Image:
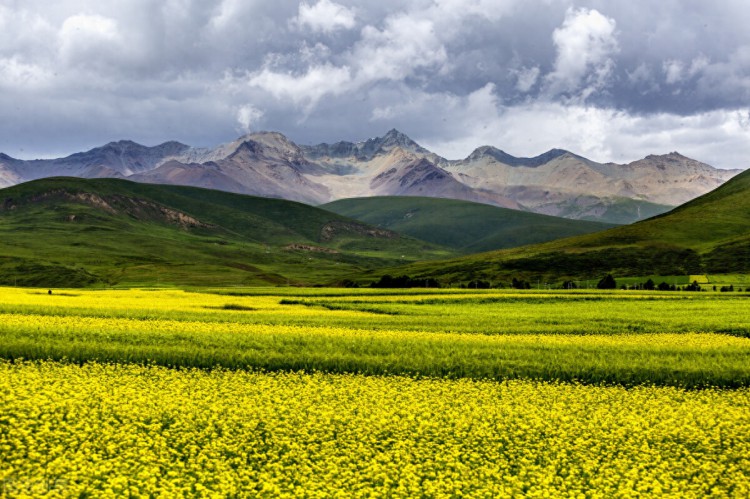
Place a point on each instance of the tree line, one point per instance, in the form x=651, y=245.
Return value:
x=606, y=282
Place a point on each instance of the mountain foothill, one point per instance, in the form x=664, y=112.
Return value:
x=268, y=164
x=263, y=210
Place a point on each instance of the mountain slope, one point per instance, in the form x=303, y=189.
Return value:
x=465, y=226
x=564, y=184
x=67, y=231
x=262, y=164
x=116, y=159
x=710, y=234
x=268, y=164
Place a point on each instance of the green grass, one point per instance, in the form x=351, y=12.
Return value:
x=625, y=211
x=51, y=236
x=624, y=338
x=709, y=235
x=462, y=225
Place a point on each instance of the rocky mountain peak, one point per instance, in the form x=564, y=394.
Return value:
x=394, y=138
x=673, y=156
x=274, y=140
x=510, y=160
x=266, y=163
x=365, y=150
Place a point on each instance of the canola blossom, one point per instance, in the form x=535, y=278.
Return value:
x=108, y=430
x=373, y=393
x=497, y=335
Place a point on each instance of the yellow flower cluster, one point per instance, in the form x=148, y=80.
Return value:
x=103, y=430
x=139, y=301
x=154, y=328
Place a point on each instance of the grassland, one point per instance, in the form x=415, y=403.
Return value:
x=709, y=235
x=461, y=225
x=287, y=392
x=104, y=232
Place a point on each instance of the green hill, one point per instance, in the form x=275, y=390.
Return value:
x=710, y=234
x=77, y=232
x=462, y=225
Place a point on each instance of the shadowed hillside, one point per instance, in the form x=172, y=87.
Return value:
x=465, y=226
x=710, y=234
x=76, y=232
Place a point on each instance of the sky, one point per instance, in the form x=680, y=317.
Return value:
x=612, y=80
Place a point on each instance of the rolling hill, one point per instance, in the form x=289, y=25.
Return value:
x=78, y=232
x=268, y=164
x=710, y=234
x=461, y=225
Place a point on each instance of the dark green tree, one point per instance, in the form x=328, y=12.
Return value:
x=663, y=286
x=569, y=285
x=608, y=282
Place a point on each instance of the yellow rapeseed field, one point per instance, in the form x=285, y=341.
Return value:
x=280, y=406
x=101, y=430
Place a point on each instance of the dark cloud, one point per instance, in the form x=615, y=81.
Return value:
x=613, y=80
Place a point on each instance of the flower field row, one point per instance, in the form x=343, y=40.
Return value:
x=687, y=359
x=475, y=311
x=110, y=430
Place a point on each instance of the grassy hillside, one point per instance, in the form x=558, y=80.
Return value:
x=462, y=225
x=710, y=234
x=622, y=211
x=77, y=232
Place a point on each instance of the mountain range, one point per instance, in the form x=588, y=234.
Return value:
x=708, y=235
x=92, y=232
x=268, y=164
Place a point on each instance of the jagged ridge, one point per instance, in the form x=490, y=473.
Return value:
x=268, y=164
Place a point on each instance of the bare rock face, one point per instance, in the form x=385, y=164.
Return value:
x=268, y=164
x=564, y=184
x=264, y=164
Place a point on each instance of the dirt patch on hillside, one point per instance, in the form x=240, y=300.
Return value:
x=332, y=230
x=310, y=247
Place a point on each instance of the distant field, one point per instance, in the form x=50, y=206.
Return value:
x=629, y=338
x=293, y=392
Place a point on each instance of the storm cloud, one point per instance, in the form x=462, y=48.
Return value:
x=613, y=81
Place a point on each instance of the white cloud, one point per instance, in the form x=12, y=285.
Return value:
x=82, y=72
x=526, y=78
x=25, y=34
x=698, y=65
x=641, y=74
x=490, y=9
x=16, y=74
x=404, y=45
x=481, y=105
x=676, y=71
x=325, y=17
x=715, y=137
x=248, y=117
x=87, y=40
x=673, y=71
x=228, y=12
x=305, y=89
x=585, y=44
